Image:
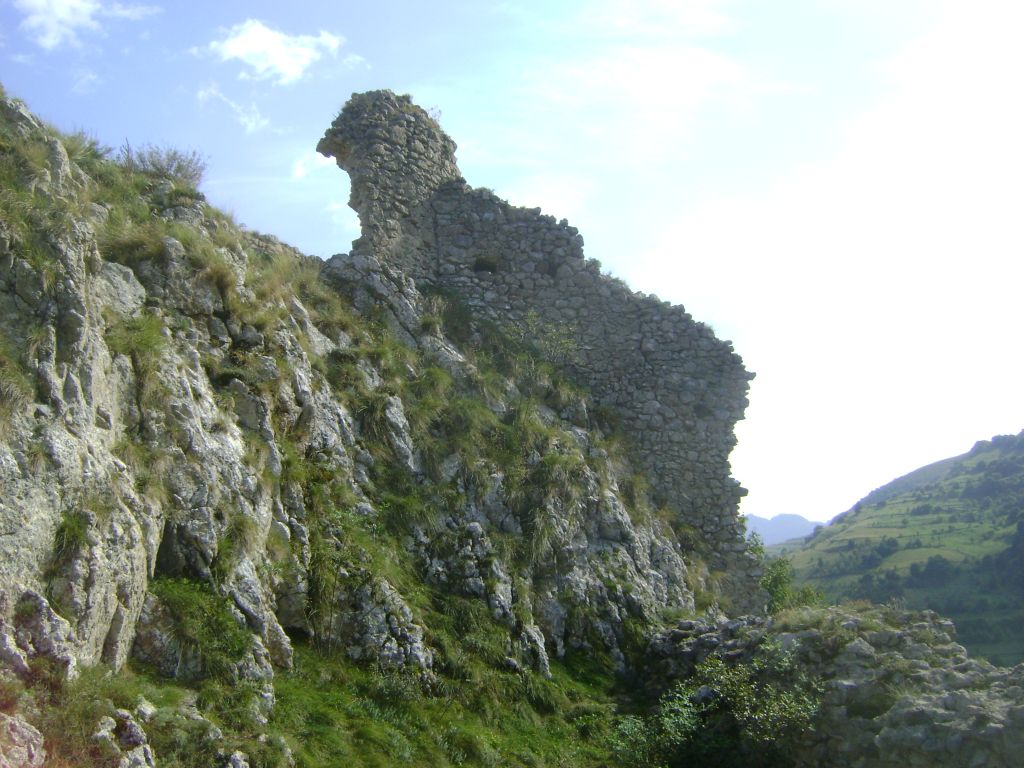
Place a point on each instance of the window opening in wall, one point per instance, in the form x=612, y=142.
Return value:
x=486, y=264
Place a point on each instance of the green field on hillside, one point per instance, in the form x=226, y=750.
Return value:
x=949, y=536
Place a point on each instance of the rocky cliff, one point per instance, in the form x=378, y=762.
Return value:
x=420, y=503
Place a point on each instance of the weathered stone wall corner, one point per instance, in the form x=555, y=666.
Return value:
x=678, y=388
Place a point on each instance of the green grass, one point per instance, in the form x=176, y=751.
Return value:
x=130, y=242
x=16, y=386
x=337, y=712
x=938, y=538
x=71, y=536
x=69, y=714
x=141, y=338
x=332, y=711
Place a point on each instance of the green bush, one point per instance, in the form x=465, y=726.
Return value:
x=555, y=343
x=777, y=581
x=724, y=715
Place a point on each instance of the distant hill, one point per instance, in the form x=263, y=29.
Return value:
x=780, y=528
x=948, y=536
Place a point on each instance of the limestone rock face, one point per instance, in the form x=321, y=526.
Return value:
x=595, y=568
x=38, y=633
x=122, y=738
x=372, y=622
x=21, y=745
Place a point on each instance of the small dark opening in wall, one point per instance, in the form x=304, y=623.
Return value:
x=485, y=264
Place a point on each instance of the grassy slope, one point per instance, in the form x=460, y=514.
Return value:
x=477, y=711
x=964, y=510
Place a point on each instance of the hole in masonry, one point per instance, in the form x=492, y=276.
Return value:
x=485, y=264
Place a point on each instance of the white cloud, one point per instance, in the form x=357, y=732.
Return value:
x=53, y=23
x=344, y=217
x=355, y=61
x=130, y=12
x=84, y=81
x=628, y=96
x=309, y=162
x=562, y=195
x=249, y=117
x=661, y=88
x=272, y=54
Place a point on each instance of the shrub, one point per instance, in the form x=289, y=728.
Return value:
x=777, y=580
x=554, y=343
x=186, y=166
x=11, y=691
x=725, y=715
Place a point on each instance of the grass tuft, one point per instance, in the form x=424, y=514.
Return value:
x=205, y=624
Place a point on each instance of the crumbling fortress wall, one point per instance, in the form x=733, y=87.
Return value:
x=677, y=388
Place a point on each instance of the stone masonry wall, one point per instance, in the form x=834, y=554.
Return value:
x=679, y=389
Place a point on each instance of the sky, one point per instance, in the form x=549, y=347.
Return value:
x=833, y=185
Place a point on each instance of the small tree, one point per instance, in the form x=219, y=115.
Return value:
x=777, y=581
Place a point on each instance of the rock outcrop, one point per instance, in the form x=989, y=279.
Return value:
x=897, y=688
x=21, y=745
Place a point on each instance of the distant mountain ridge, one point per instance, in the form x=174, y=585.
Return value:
x=948, y=536
x=780, y=528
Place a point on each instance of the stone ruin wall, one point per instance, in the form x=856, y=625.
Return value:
x=678, y=389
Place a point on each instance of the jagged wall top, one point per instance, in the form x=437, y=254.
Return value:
x=677, y=389
x=394, y=153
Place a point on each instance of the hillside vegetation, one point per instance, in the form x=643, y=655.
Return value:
x=948, y=536
x=300, y=531
x=263, y=511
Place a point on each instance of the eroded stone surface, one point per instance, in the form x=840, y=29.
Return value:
x=21, y=745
